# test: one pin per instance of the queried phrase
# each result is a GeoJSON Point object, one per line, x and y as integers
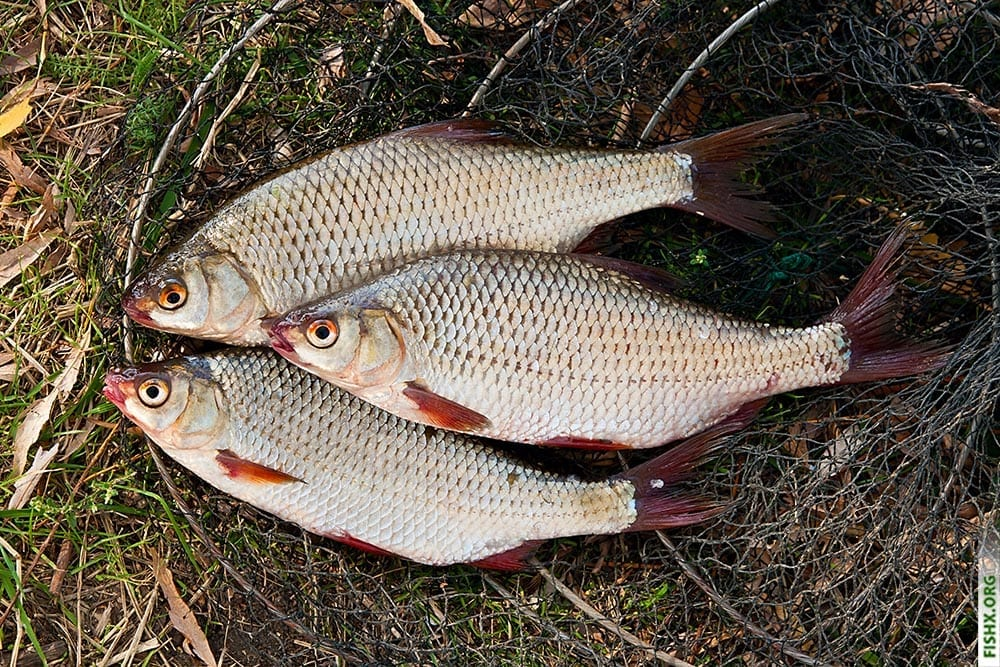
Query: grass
{"type": "Point", "coordinates": [76, 580]}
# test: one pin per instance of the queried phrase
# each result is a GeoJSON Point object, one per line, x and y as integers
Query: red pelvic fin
{"type": "Point", "coordinates": [717, 161]}
{"type": "Point", "coordinates": [248, 471]}
{"type": "Point", "coordinates": [512, 560]}
{"type": "Point", "coordinates": [582, 443]}
{"type": "Point", "coordinates": [443, 412]}
{"type": "Point", "coordinates": [877, 351]}
{"type": "Point", "coordinates": [651, 277]}
{"type": "Point", "coordinates": [659, 505]}
{"type": "Point", "coordinates": [352, 541]}
{"type": "Point", "coordinates": [464, 130]}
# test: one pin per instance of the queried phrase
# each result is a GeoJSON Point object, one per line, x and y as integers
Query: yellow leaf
{"type": "Point", "coordinates": [12, 118]}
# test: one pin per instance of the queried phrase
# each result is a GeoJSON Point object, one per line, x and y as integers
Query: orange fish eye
{"type": "Point", "coordinates": [154, 392]}
{"type": "Point", "coordinates": [322, 333]}
{"type": "Point", "coordinates": [172, 295]}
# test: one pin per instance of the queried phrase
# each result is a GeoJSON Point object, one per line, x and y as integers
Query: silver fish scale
{"type": "Point", "coordinates": [428, 495]}
{"type": "Point", "coordinates": [361, 210]}
{"type": "Point", "coordinates": [551, 346]}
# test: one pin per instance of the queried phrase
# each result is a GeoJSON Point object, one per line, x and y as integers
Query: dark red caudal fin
{"type": "Point", "coordinates": [716, 163]}
{"type": "Point", "coordinates": [877, 351]}
{"type": "Point", "coordinates": [657, 504]}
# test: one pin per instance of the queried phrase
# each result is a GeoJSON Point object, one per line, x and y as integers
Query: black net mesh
{"type": "Point", "coordinates": [856, 510]}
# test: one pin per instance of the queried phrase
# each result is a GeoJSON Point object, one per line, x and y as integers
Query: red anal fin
{"type": "Point", "coordinates": [443, 412]}
{"type": "Point", "coordinates": [511, 560]}
{"type": "Point", "coordinates": [352, 541]}
{"type": "Point", "coordinates": [248, 471]}
{"type": "Point", "coordinates": [465, 130]}
{"type": "Point", "coordinates": [583, 443]}
{"type": "Point", "coordinates": [650, 277]}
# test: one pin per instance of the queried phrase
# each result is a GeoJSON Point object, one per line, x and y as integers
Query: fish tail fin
{"type": "Point", "coordinates": [659, 505]}
{"type": "Point", "coordinates": [716, 163]}
{"type": "Point", "coordinates": [877, 352]}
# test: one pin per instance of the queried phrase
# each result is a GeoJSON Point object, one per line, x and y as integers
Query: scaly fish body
{"type": "Point", "coordinates": [268, 433]}
{"type": "Point", "coordinates": [557, 349]}
{"type": "Point", "coordinates": [364, 209]}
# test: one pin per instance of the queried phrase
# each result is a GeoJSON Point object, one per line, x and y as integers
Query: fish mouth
{"type": "Point", "coordinates": [276, 332]}
{"type": "Point", "coordinates": [112, 391]}
{"type": "Point", "coordinates": [138, 309]}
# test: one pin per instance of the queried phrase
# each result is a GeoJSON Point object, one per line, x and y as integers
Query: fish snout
{"type": "Point", "coordinates": [138, 306]}
{"type": "Point", "coordinates": [113, 383]}
{"type": "Point", "coordinates": [276, 331]}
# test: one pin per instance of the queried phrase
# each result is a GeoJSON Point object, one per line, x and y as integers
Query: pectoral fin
{"type": "Point", "coordinates": [443, 412]}
{"type": "Point", "coordinates": [248, 471]}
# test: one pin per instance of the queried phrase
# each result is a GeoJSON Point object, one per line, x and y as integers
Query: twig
{"type": "Point", "coordinates": [724, 37]}
{"type": "Point", "coordinates": [391, 17]}
{"type": "Point", "coordinates": [216, 554]}
{"type": "Point", "coordinates": [581, 649]}
{"type": "Point", "coordinates": [604, 621]}
{"type": "Point", "coordinates": [756, 630]}
{"type": "Point", "coordinates": [139, 213]}
{"type": "Point", "coordinates": [213, 131]}
{"type": "Point", "coordinates": [513, 51]}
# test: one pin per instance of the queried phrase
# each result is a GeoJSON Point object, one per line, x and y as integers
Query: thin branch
{"type": "Point", "coordinates": [234, 102]}
{"type": "Point", "coordinates": [742, 21]}
{"type": "Point", "coordinates": [756, 630]}
{"type": "Point", "coordinates": [578, 647]}
{"type": "Point", "coordinates": [508, 57]}
{"type": "Point", "coordinates": [606, 622]}
{"type": "Point", "coordinates": [139, 213]}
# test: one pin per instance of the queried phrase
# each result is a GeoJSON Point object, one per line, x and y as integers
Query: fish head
{"type": "Point", "coordinates": [202, 295]}
{"type": "Point", "coordinates": [176, 403]}
{"type": "Point", "coordinates": [351, 346]}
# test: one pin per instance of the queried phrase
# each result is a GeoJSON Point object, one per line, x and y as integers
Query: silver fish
{"type": "Point", "coordinates": [364, 209]}
{"type": "Point", "coordinates": [579, 351]}
{"type": "Point", "coordinates": [261, 429]}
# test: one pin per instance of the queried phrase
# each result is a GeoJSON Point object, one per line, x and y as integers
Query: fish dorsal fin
{"type": "Point", "coordinates": [239, 468]}
{"type": "Point", "coordinates": [444, 412]}
{"type": "Point", "coordinates": [650, 277]}
{"type": "Point", "coordinates": [462, 130]}
{"type": "Point", "coordinates": [511, 560]}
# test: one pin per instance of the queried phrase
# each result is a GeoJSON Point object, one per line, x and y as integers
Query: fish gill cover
{"type": "Point", "coordinates": [856, 510]}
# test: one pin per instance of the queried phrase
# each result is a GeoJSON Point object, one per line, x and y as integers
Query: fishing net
{"type": "Point", "coordinates": [856, 511]}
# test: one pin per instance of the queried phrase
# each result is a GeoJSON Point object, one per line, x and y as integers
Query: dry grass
{"type": "Point", "coordinates": [856, 509]}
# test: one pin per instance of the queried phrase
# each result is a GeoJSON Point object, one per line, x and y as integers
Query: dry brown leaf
{"type": "Point", "coordinates": [14, 261]}
{"type": "Point", "coordinates": [26, 483]}
{"type": "Point", "coordinates": [13, 117]}
{"type": "Point", "coordinates": [973, 102]}
{"type": "Point", "coordinates": [64, 383]}
{"type": "Point", "coordinates": [502, 14]}
{"type": "Point", "coordinates": [36, 417]}
{"type": "Point", "coordinates": [181, 616]}
{"type": "Point", "coordinates": [38, 414]}
{"type": "Point", "coordinates": [24, 177]}
{"type": "Point", "coordinates": [24, 58]}
{"type": "Point", "coordinates": [7, 366]}
{"type": "Point", "coordinates": [432, 37]}
{"type": "Point", "coordinates": [332, 62]}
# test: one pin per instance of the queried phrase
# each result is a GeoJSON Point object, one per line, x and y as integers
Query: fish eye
{"type": "Point", "coordinates": [321, 333]}
{"type": "Point", "coordinates": [173, 294]}
{"type": "Point", "coordinates": [154, 392]}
